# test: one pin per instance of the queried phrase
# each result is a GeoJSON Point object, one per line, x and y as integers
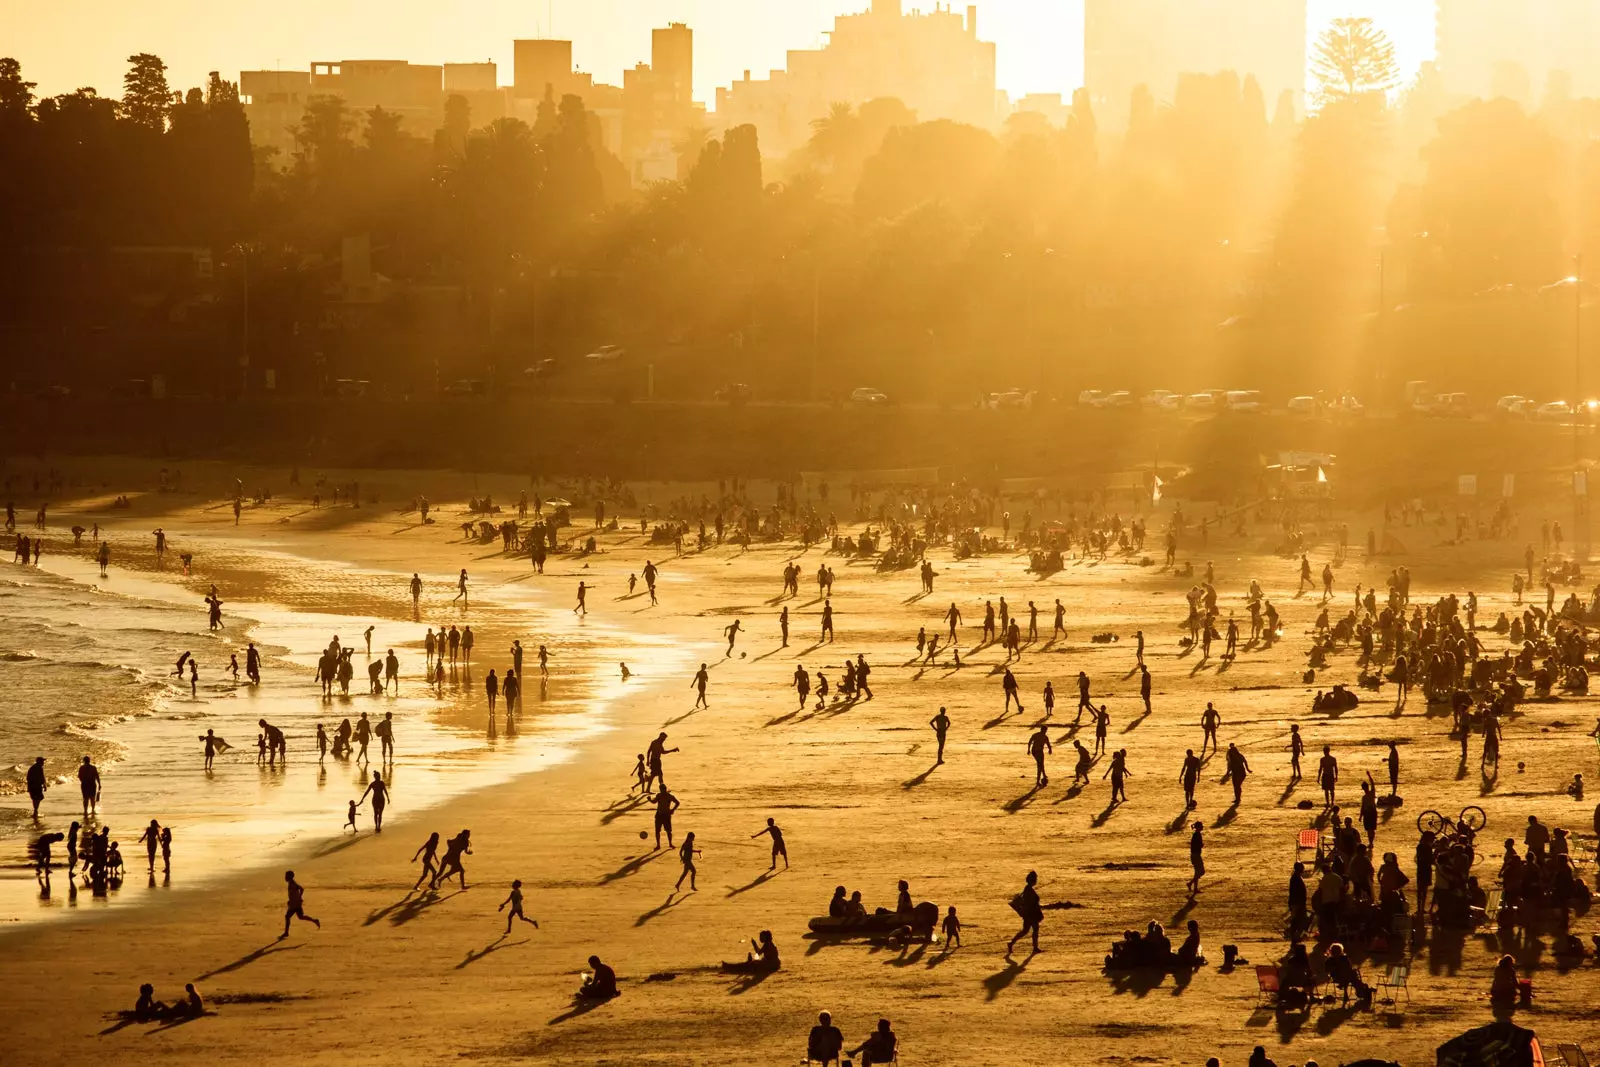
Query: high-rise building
{"type": "Point", "coordinates": [539, 63]}
{"type": "Point", "coordinates": [1518, 48]}
{"type": "Point", "coordinates": [658, 106]}
{"type": "Point", "coordinates": [1129, 43]}
{"type": "Point", "coordinates": [274, 103]}
{"type": "Point", "coordinates": [932, 62]}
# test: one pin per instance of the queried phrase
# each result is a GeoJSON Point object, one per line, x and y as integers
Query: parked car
{"type": "Point", "coordinates": [1514, 406]}
{"type": "Point", "coordinates": [734, 394]}
{"type": "Point", "coordinates": [606, 354]}
{"type": "Point", "coordinates": [1243, 401]}
{"type": "Point", "coordinates": [1010, 398]}
{"type": "Point", "coordinates": [1553, 411]}
{"type": "Point", "coordinates": [541, 370]}
{"type": "Point", "coordinates": [466, 387]}
{"type": "Point", "coordinates": [865, 395]}
{"type": "Point", "coordinates": [1155, 398]}
{"type": "Point", "coordinates": [1304, 405]}
{"type": "Point", "coordinates": [1091, 398]}
{"type": "Point", "coordinates": [1119, 399]}
{"type": "Point", "coordinates": [1201, 402]}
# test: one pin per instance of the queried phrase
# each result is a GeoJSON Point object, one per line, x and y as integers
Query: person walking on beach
{"type": "Point", "coordinates": [104, 556]}
{"type": "Point", "coordinates": [378, 790]}
{"type": "Point", "coordinates": [1297, 748]}
{"type": "Point", "coordinates": [89, 786]}
{"type": "Point", "coordinates": [783, 625]}
{"type": "Point", "coordinates": [701, 677]}
{"type": "Point", "coordinates": [385, 732]}
{"type": "Point", "coordinates": [827, 621]}
{"type": "Point", "coordinates": [37, 784]}
{"type": "Point", "coordinates": [1026, 904]}
{"type": "Point", "coordinates": [1038, 746]}
{"type": "Point", "coordinates": [1237, 767]}
{"type": "Point", "coordinates": [166, 849]}
{"type": "Point", "coordinates": [511, 689]}
{"type": "Point", "coordinates": [653, 756]}
{"type": "Point", "coordinates": [1083, 698]}
{"type": "Point", "coordinates": [458, 846]}
{"type": "Point", "coordinates": [364, 735]}
{"type": "Point", "coordinates": [802, 683]}
{"type": "Point", "coordinates": [686, 854]}
{"type": "Point", "coordinates": [429, 854]}
{"type": "Point", "coordinates": [1197, 862]}
{"type": "Point", "coordinates": [666, 804]}
{"type": "Point", "coordinates": [953, 618]}
{"type": "Point", "coordinates": [1393, 760]}
{"type": "Point", "coordinates": [1118, 773]}
{"type": "Point", "coordinates": [941, 728]}
{"type": "Point", "coordinates": [1190, 777]}
{"type": "Point", "coordinates": [461, 589]}
{"type": "Point", "coordinates": [1144, 687]}
{"type": "Point", "coordinates": [778, 847]}
{"type": "Point", "coordinates": [416, 591]}
{"type": "Point", "coordinates": [151, 840]}
{"type": "Point", "coordinates": [515, 900]}
{"type": "Point", "coordinates": [1328, 776]}
{"type": "Point", "coordinates": [544, 662]}
{"type": "Point", "coordinates": [1102, 726]}
{"type": "Point", "coordinates": [276, 745]}
{"type": "Point", "coordinates": [650, 571]}
{"type": "Point", "coordinates": [296, 908]}
{"type": "Point", "coordinates": [322, 743]}
{"type": "Point", "coordinates": [1210, 721]}
{"type": "Point", "coordinates": [391, 672]}
{"type": "Point", "coordinates": [491, 688]}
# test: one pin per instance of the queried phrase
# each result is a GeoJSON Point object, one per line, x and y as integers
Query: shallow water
{"type": "Point", "coordinates": [86, 668]}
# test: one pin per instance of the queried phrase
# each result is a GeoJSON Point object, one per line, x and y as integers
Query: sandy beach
{"type": "Point", "coordinates": [394, 975]}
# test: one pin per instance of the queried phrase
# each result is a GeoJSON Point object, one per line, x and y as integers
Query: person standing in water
{"type": "Point", "coordinates": [385, 732]}
{"type": "Point", "coordinates": [582, 607]}
{"type": "Point", "coordinates": [379, 792]}
{"type": "Point", "coordinates": [151, 839]}
{"type": "Point", "coordinates": [89, 786]}
{"type": "Point", "coordinates": [37, 783]}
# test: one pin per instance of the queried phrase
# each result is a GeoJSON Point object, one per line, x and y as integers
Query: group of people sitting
{"type": "Point", "coordinates": [1297, 983]}
{"type": "Point", "coordinates": [825, 1044]}
{"type": "Point", "coordinates": [149, 1009]}
{"type": "Point", "coordinates": [1154, 949]}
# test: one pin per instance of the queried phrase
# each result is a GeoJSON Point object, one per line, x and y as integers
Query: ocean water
{"type": "Point", "coordinates": [86, 669]}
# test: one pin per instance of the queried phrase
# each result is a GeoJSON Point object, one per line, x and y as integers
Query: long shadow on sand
{"type": "Point", "coordinates": [632, 867]}
{"type": "Point", "coordinates": [494, 946]}
{"type": "Point", "coordinates": [997, 982]}
{"type": "Point", "coordinates": [269, 949]}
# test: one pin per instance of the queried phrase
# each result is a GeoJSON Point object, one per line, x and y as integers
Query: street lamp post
{"type": "Point", "coordinates": [1580, 478]}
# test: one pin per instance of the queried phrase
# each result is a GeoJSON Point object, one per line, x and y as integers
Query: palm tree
{"type": "Point", "coordinates": [1353, 58]}
{"type": "Point", "coordinates": [833, 137]}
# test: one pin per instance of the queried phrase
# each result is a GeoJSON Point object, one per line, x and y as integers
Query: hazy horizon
{"type": "Point", "coordinates": [78, 43]}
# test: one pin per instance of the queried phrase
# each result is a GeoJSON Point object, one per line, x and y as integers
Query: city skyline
{"type": "Point", "coordinates": [1039, 44]}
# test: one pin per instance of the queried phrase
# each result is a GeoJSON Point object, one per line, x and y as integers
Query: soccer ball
{"type": "Point", "coordinates": [644, 835]}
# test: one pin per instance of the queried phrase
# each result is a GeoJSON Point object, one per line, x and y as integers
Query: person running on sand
{"type": "Point", "coordinates": [701, 677]}
{"type": "Point", "coordinates": [454, 849]}
{"type": "Point", "coordinates": [429, 854]}
{"type": "Point", "coordinates": [296, 908]}
{"type": "Point", "coordinates": [778, 847]}
{"type": "Point", "coordinates": [515, 900]}
{"type": "Point", "coordinates": [461, 589]}
{"type": "Point", "coordinates": [350, 817]}
{"type": "Point", "coordinates": [731, 631]}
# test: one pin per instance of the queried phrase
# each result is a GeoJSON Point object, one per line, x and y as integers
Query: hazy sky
{"type": "Point", "coordinates": [67, 43]}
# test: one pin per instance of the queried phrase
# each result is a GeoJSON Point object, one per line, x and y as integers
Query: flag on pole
{"type": "Point", "coordinates": [1155, 488]}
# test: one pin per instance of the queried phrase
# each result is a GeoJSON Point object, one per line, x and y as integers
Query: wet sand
{"type": "Point", "coordinates": [397, 976]}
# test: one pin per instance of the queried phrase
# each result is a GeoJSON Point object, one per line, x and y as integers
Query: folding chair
{"type": "Point", "coordinates": [1266, 983]}
{"type": "Point", "coordinates": [1311, 838]}
{"type": "Point", "coordinates": [1396, 981]}
{"type": "Point", "coordinates": [1491, 907]}
{"type": "Point", "coordinates": [1572, 1055]}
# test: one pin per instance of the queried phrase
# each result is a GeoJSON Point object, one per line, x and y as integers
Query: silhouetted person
{"type": "Point", "coordinates": [37, 784]}
{"type": "Point", "coordinates": [296, 908]}
{"type": "Point", "coordinates": [515, 900]}
{"type": "Point", "coordinates": [941, 728]}
{"type": "Point", "coordinates": [778, 847]}
{"type": "Point", "coordinates": [458, 846]}
{"type": "Point", "coordinates": [429, 853]}
{"type": "Point", "coordinates": [1026, 904]}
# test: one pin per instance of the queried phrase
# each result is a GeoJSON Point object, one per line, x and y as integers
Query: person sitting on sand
{"type": "Point", "coordinates": [600, 983]}
{"type": "Point", "coordinates": [1190, 953]}
{"type": "Point", "coordinates": [763, 957]}
{"type": "Point", "coordinates": [838, 906]}
{"type": "Point", "coordinates": [855, 909]}
{"type": "Point", "coordinates": [879, 1047]}
{"type": "Point", "coordinates": [147, 1007]}
{"type": "Point", "coordinates": [1503, 989]}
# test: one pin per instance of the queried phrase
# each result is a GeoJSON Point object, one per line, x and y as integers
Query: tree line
{"type": "Point", "coordinates": [1220, 240]}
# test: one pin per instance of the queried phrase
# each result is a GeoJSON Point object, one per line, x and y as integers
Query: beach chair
{"type": "Point", "coordinates": [1266, 983]}
{"type": "Point", "coordinates": [1572, 1055]}
{"type": "Point", "coordinates": [1310, 838]}
{"type": "Point", "coordinates": [1396, 981]}
{"type": "Point", "coordinates": [1491, 907]}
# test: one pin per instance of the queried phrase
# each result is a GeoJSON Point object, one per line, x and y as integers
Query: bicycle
{"type": "Point", "coordinates": [1471, 820]}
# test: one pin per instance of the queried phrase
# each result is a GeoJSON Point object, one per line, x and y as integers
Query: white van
{"type": "Point", "coordinates": [1242, 401]}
